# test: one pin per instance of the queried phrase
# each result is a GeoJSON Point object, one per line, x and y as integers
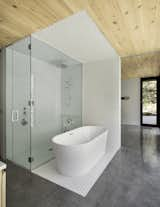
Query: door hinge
{"type": "Point", "coordinates": [29, 46]}
{"type": "Point", "coordinates": [30, 159]}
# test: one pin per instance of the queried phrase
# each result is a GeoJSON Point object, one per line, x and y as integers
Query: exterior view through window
{"type": "Point", "coordinates": [149, 101]}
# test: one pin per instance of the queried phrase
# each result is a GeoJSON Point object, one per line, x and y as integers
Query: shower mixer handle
{"type": "Point", "coordinates": [24, 122]}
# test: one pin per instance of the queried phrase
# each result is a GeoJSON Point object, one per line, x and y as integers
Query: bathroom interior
{"type": "Point", "coordinates": [51, 127]}
{"type": "Point", "coordinates": [70, 105]}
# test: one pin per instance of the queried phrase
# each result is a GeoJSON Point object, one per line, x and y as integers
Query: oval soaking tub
{"type": "Point", "coordinates": [77, 151]}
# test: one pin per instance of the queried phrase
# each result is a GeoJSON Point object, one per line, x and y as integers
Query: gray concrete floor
{"type": "Point", "coordinates": [131, 180]}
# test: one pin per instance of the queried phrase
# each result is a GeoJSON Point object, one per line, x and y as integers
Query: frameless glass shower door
{"type": "Point", "coordinates": [17, 102]}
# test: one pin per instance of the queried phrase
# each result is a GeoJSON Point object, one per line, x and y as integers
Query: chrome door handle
{"type": "Point", "coordinates": [15, 115]}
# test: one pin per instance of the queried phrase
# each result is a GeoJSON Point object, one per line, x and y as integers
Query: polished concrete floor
{"type": "Point", "coordinates": [131, 180]}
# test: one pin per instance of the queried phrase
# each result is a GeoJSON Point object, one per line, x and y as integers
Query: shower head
{"type": "Point", "coordinates": [63, 65]}
{"type": "Point", "coordinates": [59, 63]}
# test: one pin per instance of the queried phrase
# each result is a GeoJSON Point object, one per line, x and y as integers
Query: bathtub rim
{"type": "Point", "coordinates": [81, 144]}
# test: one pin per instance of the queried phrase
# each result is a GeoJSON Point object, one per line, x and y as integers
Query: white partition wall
{"type": "Point", "coordinates": [101, 98]}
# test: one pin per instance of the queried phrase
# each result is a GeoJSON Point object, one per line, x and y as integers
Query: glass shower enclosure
{"type": "Point", "coordinates": [43, 99]}
{"type": "Point", "coordinates": [17, 108]}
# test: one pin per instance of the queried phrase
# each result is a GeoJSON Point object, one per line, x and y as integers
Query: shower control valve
{"type": "Point", "coordinates": [24, 122]}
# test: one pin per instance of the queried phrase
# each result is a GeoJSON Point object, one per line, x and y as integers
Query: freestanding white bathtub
{"type": "Point", "coordinates": [78, 151]}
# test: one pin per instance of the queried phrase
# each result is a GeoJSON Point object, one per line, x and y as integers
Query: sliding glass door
{"type": "Point", "coordinates": [150, 115]}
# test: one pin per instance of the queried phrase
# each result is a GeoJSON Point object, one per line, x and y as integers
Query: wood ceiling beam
{"type": "Point", "coordinates": [139, 66]}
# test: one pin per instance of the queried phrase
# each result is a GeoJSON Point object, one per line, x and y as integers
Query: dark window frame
{"type": "Point", "coordinates": [158, 101]}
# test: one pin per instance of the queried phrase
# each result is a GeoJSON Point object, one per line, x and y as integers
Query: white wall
{"type": "Point", "coordinates": [71, 96]}
{"type": "Point", "coordinates": [131, 107]}
{"type": "Point", "coordinates": [101, 98]}
{"type": "Point", "coordinates": [82, 41]}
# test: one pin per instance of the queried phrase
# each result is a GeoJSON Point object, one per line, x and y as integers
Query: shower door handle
{"type": "Point", "coordinates": [15, 115]}
{"type": "Point", "coordinates": [32, 100]}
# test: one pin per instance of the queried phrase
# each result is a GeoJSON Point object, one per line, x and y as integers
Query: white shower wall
{"type": "Point", "coordinates": [71, 97]}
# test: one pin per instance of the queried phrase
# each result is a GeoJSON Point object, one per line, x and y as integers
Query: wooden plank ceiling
{"type": "Point", "coordinates": [131, 26]}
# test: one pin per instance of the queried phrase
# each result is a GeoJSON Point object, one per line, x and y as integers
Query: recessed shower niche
{"type": "Point", "coordinates": [43, 99]}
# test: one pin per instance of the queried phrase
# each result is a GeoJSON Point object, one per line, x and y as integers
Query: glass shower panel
{"type": "Point", "coordinates": [9, 89]}
{"type": "Point", "coordinates": [18, 96]}
{"type": "Point", "coordinates": [46, 94]}
{"type": "Point", "coordinates": [56, 97]}
{"type": "Point", "coordinates": [71, 97]}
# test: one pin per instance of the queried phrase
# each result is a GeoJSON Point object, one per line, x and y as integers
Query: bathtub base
{"type": "Point", "coordinates": [83, 184]}
{"type": "Point", "coordinates": [78, 172]}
